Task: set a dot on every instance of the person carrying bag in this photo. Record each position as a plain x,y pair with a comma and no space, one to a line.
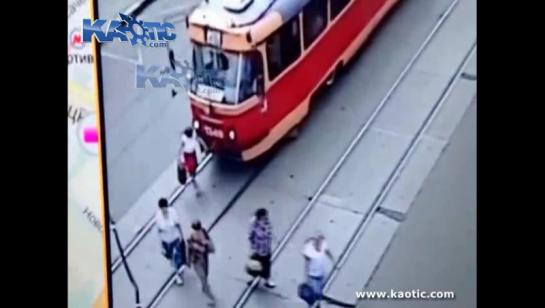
316,253
172,239
260,237
187,156
200,246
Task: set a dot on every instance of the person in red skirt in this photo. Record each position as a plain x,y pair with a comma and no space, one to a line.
188,154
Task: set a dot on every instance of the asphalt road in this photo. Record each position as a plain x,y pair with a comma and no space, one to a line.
435,249
142,125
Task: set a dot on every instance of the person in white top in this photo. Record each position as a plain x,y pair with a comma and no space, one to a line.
188,154
172,239
315,252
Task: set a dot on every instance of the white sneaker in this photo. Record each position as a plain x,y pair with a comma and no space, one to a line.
270,284
179,280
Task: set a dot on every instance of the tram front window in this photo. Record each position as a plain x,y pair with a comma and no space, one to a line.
224,76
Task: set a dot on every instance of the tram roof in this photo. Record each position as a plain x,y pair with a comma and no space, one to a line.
252,10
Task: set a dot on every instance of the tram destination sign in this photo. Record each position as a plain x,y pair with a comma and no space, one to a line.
209,92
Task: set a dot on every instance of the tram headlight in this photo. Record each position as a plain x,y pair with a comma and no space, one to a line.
232,134
196,124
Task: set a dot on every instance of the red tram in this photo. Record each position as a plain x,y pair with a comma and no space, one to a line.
258,62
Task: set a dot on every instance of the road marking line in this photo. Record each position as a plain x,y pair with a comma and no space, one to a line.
140,58
390,132
117,57
133,7
331,200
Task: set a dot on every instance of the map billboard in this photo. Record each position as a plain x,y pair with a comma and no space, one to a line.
87,258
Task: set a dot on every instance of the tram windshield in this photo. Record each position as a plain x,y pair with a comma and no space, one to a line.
224,76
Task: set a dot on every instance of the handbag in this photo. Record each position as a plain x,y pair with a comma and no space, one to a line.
165,252
211,248
253,267
183,251
182,175
306,293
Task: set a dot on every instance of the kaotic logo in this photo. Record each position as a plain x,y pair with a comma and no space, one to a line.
158,79
75,39
131,30
161,77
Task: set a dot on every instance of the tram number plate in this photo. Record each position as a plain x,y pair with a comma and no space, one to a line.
213,132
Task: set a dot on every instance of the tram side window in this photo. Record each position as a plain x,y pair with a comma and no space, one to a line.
337,6
251,67
283,48
314,20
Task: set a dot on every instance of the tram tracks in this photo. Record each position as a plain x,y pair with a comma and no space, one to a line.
144,230
150,222
304,213
171,279
246,294
394,175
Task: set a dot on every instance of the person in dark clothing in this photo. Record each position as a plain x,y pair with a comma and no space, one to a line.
200,246
173,63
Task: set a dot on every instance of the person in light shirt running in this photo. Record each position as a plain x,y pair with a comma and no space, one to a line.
188,154
316,253
172,239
